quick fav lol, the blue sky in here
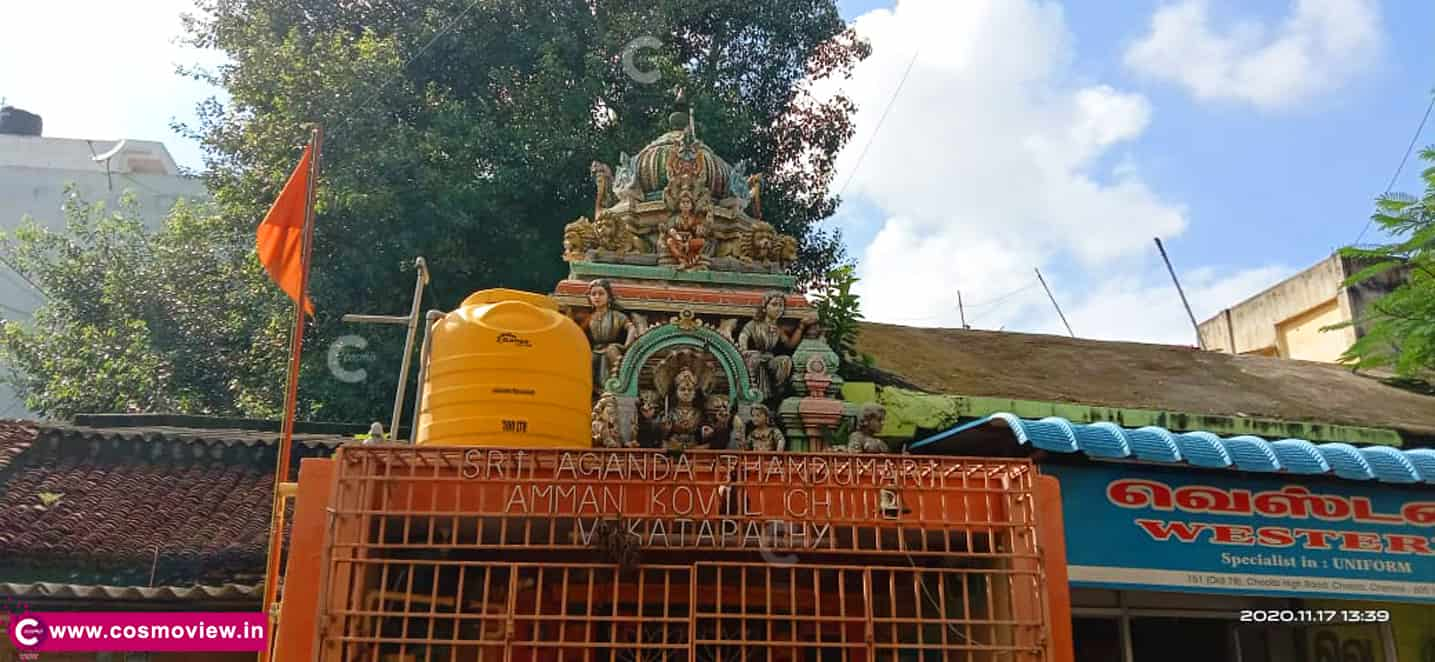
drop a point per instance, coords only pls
(1030, 133)
(1268, 127)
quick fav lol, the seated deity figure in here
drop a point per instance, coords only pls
(759, 341)
(869, 424)
(686, 233)
(684, 417)
(684, 378)
(764, 436)
(609, 331)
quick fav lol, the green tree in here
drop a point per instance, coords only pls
(460, 130)
(839, 310)
(1399, 327)
(179, 320)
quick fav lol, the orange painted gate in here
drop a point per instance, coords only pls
(505, 554)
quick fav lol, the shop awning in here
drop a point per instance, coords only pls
(1201, 449)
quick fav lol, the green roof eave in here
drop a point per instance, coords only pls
(909, 410)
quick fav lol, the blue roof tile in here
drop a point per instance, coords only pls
(1204, 449)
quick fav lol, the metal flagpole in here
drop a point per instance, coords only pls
(291, 397)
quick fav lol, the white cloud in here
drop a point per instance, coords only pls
(994, 160)
(1316, 48)
(102, 70)
(1144, 305)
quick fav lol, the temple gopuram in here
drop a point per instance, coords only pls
(700, 339)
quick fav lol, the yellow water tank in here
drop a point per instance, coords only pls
(507, 369)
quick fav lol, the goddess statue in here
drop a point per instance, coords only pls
(684, 417)
(609, 330)
(687, 378)
(687, 230)
(759, 342)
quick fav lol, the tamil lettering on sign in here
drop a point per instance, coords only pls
(1207, 531)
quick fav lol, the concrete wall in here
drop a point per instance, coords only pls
(34, 172)
(1301, 337)
(1254, 326)
(1360, 296)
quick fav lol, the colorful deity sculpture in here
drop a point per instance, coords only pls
(685, 416)
(759, 341)
(609, 330)
(605, 423)
(864, 439)
(684, 378)
(687, 230)
(764, 436)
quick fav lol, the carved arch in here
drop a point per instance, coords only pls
(672, 336)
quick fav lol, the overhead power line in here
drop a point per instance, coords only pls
(21, 274)
(1408, 149)
(890, 102)
(1004, 297)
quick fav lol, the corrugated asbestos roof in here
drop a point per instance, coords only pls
(1204, 449)
(1028, 366)
(41, 590)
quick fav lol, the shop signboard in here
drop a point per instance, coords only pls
(1133, 527)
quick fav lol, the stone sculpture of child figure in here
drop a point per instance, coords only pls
(764, 436)
(864, 439)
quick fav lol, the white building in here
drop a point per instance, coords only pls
(34, 171)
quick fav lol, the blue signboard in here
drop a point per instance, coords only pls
(1132, 527)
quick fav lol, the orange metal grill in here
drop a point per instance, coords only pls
(483, 554)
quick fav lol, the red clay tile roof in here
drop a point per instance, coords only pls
(108, 506)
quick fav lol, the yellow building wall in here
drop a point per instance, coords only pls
(1300, 337)
(1413, 625)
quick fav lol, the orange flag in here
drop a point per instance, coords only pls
(281, 234)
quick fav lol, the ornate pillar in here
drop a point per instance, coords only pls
(816, 410)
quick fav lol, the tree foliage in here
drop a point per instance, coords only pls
(458, 130)
(179, 320)
(839, 310)
(1399, 327)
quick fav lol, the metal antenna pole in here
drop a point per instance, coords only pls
(962, 309)
(1199, 343)
(1054, 304)
(412, 322)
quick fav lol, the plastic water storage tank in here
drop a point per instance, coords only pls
(507, 369)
